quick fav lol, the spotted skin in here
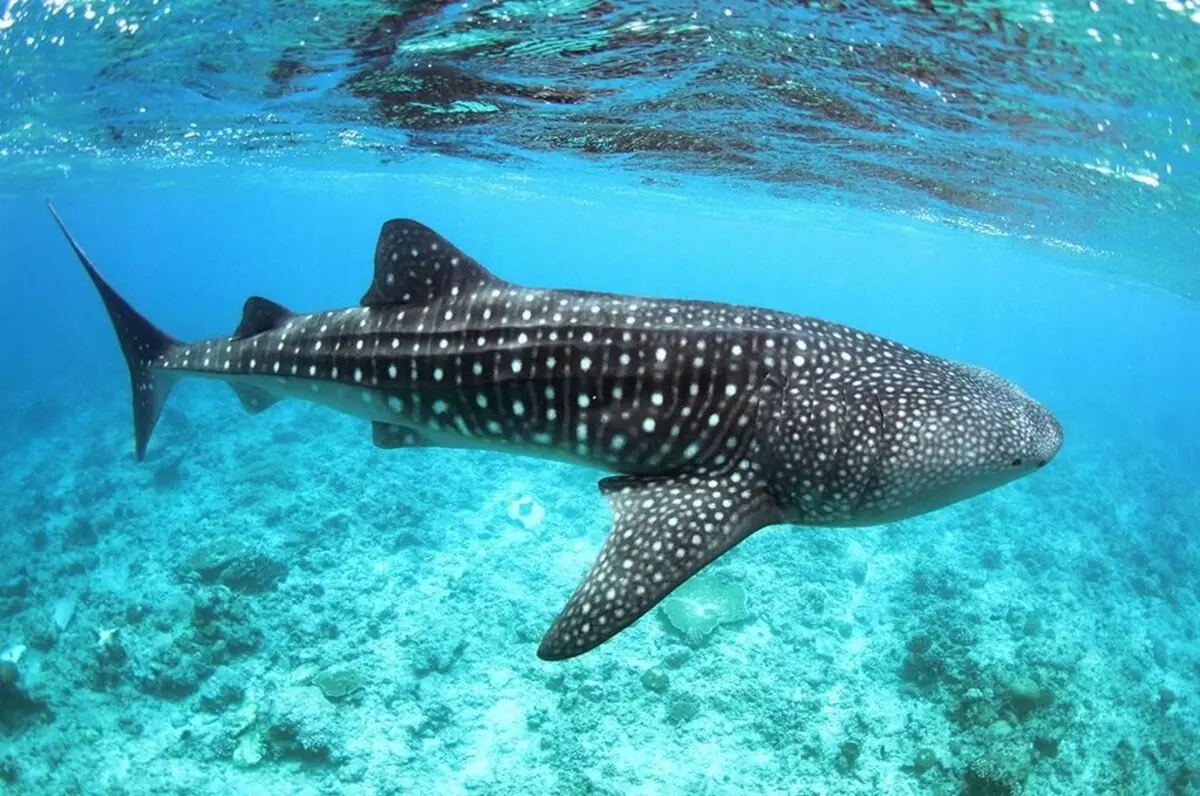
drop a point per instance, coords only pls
(718, 420)
(695, 519)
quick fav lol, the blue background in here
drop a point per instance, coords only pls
(1109, 358)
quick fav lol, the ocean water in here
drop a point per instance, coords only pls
(269, 604)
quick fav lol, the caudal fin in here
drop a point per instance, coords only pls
(141, 341)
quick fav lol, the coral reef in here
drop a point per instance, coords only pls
(339, 682)
(270, 623)
(702, 603)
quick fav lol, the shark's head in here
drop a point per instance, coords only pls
(884, 443)
(953, 437)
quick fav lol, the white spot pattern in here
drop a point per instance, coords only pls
(855, 428)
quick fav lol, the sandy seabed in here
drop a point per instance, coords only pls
(270, 605)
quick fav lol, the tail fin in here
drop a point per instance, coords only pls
(141, 341)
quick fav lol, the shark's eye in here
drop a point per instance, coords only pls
(1016, 463)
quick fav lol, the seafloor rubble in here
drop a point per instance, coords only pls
(271, 605)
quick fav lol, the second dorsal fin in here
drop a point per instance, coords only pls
(260, 315)
(414, 264)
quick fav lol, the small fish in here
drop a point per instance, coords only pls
(716, 420)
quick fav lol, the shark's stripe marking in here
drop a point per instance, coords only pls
(721, 419)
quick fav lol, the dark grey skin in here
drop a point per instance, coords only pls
(718, 420)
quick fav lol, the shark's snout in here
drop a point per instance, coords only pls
(1047, 433)
(1034, 435)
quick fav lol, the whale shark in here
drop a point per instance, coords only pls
(713, 420)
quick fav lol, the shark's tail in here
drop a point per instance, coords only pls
(141, 341)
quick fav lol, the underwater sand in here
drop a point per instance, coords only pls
(1043, 634)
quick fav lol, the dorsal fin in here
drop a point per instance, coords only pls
(414, 264)
(260, 315)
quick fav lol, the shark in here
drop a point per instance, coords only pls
(711, 420)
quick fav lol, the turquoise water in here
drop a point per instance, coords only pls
(270, 604)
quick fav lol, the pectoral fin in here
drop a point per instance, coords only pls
(664, 531)
(254, 399)
(389, 435)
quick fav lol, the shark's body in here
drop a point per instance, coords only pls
(719, 420)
